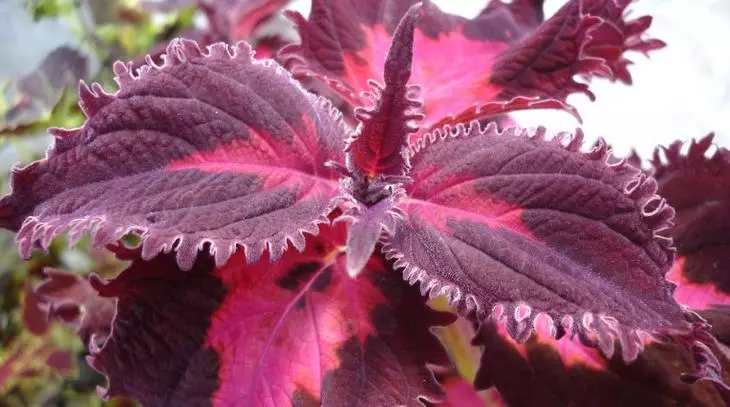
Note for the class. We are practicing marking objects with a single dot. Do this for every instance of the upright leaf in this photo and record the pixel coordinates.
(211, 149)
(379, 146)
(297, 332)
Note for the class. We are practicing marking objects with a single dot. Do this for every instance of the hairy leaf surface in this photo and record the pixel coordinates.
(471, 68)
(377, 149)
(300, 331)
(511, 225)
(210, 148)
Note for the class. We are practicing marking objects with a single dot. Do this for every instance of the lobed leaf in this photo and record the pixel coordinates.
(300, 331)
(471, 69)
(513, 226)
(213, 147)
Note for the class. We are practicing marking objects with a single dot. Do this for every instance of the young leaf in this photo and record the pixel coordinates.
(556, 373)
(379, 146)
(697, 185)
(299, 331)
(513, 225)
(209, 148)
(471, 68)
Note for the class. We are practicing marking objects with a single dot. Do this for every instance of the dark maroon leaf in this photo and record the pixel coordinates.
(299, 331)
(548, 372)
(72, 300)
(35, 319)
(512, 225)
(211, 148)
(378, 147)
(697, 185)
(586, 38)
(719, 317)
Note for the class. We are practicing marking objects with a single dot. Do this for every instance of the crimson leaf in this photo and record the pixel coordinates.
(299, 332)
(503, 60)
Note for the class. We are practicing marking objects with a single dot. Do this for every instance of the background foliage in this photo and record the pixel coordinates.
(42, 363)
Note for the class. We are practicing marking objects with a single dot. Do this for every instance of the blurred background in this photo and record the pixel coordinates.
(681, 92)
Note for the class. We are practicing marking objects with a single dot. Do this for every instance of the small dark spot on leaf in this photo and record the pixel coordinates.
(297, 274)
(319, 248)
(302, 398)
(151, 218)
(323, 280)
(383, 320)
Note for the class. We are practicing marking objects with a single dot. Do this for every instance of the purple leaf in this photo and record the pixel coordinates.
(232, 20)
(367, 228)
(211, 149)
(70, 299)
(512, 225)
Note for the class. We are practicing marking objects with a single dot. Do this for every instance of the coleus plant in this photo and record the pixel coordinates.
(281, 240)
